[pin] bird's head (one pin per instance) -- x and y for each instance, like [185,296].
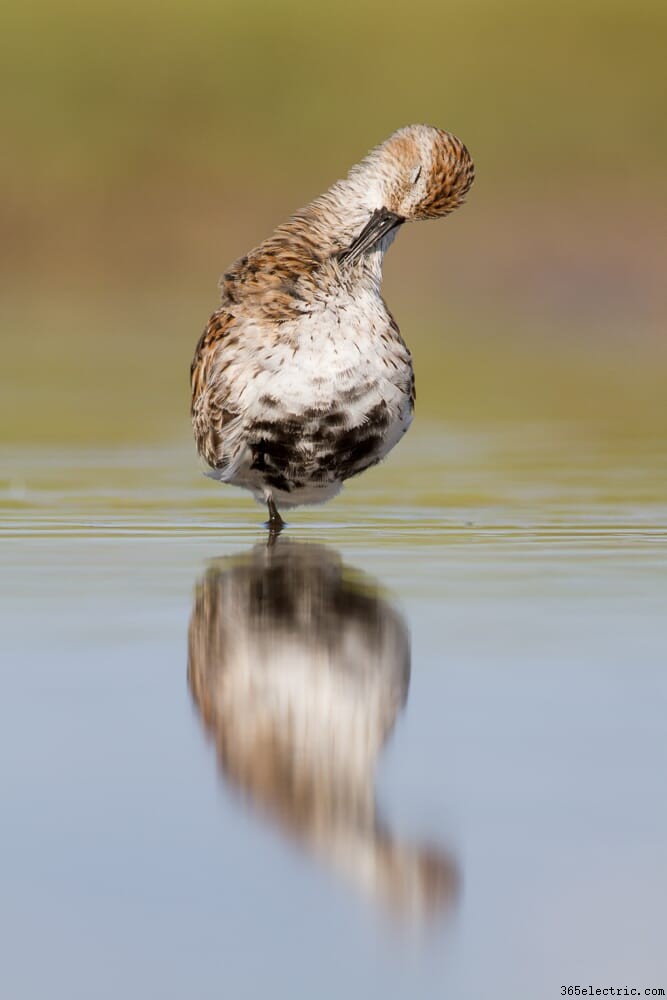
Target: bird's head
[419,172]
[429,172]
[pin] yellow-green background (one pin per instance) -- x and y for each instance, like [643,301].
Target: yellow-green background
[145,145]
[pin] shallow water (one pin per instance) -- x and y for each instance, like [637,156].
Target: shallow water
[416,748]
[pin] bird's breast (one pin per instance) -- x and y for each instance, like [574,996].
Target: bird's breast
[344,348]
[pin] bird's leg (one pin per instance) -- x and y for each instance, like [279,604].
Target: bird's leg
[275,524]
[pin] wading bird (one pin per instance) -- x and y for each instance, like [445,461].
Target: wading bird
[301,378]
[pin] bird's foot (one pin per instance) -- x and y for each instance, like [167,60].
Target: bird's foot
[275,524]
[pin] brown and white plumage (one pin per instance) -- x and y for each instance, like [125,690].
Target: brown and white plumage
[301,378]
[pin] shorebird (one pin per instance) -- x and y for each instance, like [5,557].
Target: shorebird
[301,378]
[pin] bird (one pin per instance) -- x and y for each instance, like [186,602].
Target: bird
[301,378]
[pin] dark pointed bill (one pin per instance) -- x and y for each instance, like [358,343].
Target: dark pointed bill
[381,222]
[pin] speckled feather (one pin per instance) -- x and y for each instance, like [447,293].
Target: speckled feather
[301,378]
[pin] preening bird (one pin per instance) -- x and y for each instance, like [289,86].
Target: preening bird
[301,378]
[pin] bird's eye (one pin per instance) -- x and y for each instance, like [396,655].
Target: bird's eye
[416,174]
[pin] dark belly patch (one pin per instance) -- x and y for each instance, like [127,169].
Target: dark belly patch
[299,451]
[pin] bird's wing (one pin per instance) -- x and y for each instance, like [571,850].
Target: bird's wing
[277,277]
[212,410]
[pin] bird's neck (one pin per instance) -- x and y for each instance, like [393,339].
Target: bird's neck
[338,216]
[303,253]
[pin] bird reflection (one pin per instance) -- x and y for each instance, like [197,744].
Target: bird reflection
[299,669]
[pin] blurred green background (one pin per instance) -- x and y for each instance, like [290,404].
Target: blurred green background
[147,145]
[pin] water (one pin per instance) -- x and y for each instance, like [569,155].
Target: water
[415,749]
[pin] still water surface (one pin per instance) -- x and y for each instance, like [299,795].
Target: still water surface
[414,749]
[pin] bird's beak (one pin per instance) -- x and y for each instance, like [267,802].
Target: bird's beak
[381,222]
